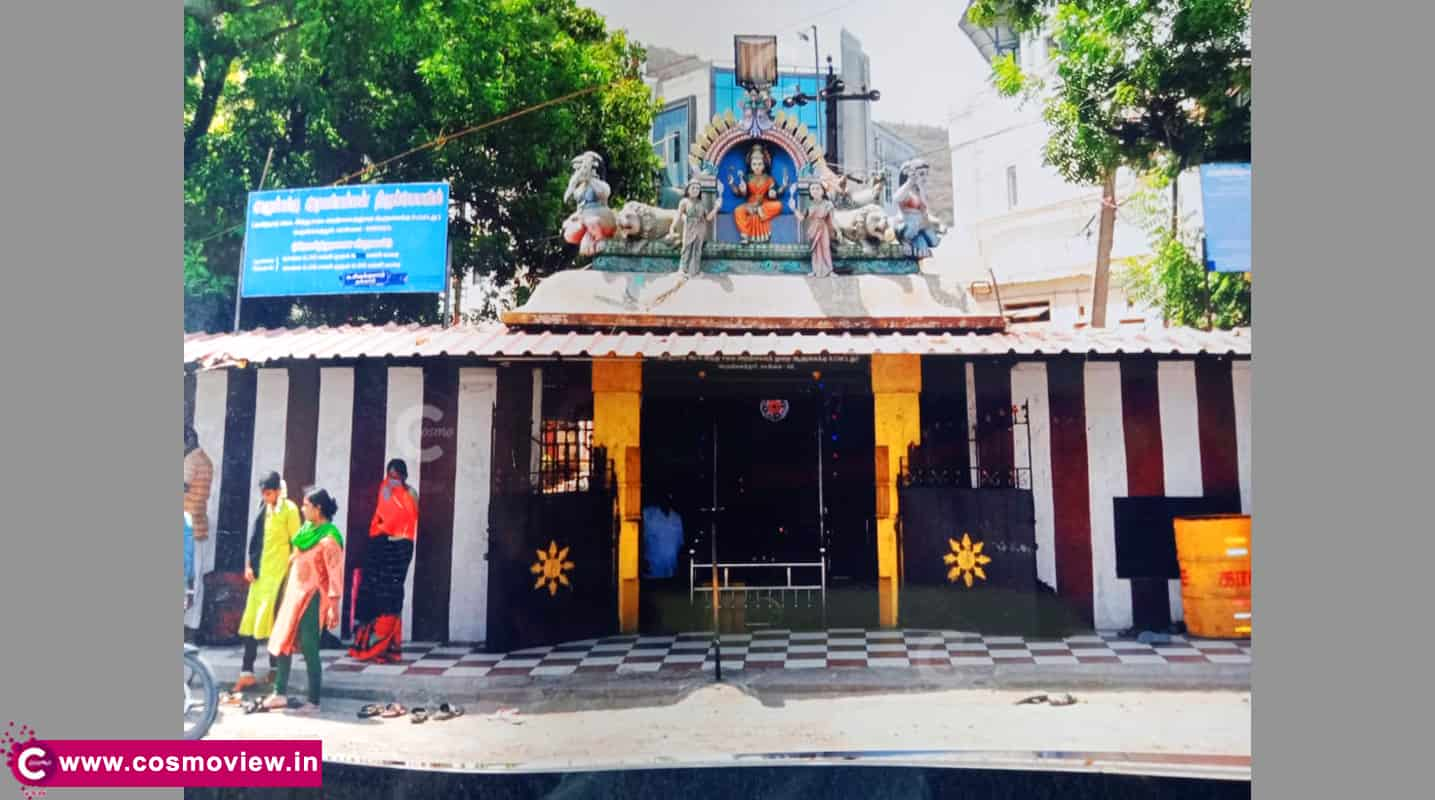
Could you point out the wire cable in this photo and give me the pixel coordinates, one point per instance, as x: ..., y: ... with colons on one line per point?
x: 443, y: 139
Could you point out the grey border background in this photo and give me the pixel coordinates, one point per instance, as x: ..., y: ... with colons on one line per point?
x: 88, y: 578
x: 90, y: 570
x: 1341, y: 435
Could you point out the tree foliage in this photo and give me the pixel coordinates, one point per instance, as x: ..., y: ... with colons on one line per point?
x: 1172, y: 277
x: 335, y: 86
x: 1156, y: 86
x: 1136, y: 83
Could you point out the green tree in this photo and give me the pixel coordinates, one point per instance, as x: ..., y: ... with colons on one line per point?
x: 1150, y: 85
x: 336, y: 86
x: 1172, y: 277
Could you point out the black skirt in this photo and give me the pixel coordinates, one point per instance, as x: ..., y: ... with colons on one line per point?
x: 381, y: 584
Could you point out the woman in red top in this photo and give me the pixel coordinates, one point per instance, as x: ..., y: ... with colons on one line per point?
x: 380, y: 603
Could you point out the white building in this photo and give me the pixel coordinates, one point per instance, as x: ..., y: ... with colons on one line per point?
x: 1018, y: 218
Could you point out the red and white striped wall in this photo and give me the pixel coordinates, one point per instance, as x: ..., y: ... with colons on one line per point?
x: 336, y: 427
x: 1118, y: 428
x: 1099, y: 429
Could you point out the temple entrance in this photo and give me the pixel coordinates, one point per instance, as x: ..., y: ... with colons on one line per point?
x: 770, y: 452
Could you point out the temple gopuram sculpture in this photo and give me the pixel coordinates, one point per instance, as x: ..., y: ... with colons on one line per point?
x: 759, y: 199
x: 821, y: 229
x: 916, y: 228
x: 695, y: 217
x: 592, y: 222
x: 754, y: 218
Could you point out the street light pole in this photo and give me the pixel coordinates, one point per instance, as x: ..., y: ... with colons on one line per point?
x: 834, y: 92
x: 816, y: 59
x: 831, y: 94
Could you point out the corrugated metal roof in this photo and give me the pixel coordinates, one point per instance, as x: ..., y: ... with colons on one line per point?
x: 498, y: 341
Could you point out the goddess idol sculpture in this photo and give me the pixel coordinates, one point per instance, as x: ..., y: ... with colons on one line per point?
x: 754, y: 217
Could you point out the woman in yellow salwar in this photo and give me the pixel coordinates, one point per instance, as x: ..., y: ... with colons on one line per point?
x: 760, y: 192
x: 268, y: 563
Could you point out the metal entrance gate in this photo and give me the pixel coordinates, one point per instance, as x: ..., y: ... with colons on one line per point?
x: 967, y: 547
x: 552, y: 558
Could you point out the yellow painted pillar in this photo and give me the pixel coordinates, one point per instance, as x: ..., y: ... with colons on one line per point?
x: 896, y: 389
x: 617, y: 417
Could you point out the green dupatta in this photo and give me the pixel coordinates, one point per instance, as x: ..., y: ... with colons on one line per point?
x: 311, y: 534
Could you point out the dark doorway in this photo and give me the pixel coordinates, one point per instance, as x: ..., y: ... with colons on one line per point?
x: 785, y: 443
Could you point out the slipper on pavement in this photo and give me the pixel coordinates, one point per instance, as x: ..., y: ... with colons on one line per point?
x: 446, y: 711
x: 370, y: 710
x: 419, y: 715
x: 393, y: 710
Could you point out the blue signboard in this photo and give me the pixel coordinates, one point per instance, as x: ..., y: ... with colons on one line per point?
x: 1226, y: 204
x: 369, y: 239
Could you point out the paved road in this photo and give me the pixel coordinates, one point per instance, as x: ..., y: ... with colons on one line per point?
x: 1198, y: 734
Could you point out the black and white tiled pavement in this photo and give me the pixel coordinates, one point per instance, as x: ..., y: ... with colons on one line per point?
x: 783, y: 650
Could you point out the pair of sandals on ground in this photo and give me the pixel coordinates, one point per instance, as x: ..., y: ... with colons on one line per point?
x: 418, y: 715
x: 273, y: 702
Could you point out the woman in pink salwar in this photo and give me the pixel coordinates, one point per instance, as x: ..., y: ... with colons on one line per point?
x: 311, y: 597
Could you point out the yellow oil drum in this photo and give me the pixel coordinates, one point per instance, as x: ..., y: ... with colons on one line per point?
x: 1215, y: 557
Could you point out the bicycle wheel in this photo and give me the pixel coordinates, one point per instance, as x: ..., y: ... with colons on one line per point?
x: 201, y: 697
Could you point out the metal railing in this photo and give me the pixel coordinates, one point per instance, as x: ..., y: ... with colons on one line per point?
x: 760, y: 595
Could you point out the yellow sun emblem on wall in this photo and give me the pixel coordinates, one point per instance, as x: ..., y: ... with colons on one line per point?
x: 966, y: 559
x: 551, y: 566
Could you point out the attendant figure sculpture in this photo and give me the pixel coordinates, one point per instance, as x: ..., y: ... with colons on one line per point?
x: 694, y: 216
x: 593, y: 221
x: 915, y: 227
x: 754, y: 218
x: 821, y: 229
x: 757, y: 112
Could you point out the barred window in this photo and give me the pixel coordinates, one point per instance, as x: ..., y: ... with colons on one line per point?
x: 567, y: 455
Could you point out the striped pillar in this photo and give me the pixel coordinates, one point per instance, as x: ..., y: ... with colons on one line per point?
x: 617, y: 418
x: 438, y: 463
x: 1070, y: 485
x: 334, y: 446
x: 403, y: 438
x: 1216, y: 418
x: 1180, y: 446
x: 271, y: 415
x: 896, y: 392
x: 1241, y: 387
x: 468, y: 583
x: 1107, y: 479
x: 366, y: 469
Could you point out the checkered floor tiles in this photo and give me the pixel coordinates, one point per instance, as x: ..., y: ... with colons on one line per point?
x: 838, y: 648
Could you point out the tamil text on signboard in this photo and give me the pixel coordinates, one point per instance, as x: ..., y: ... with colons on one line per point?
x: 1226, y: 200
x: 380, y: 238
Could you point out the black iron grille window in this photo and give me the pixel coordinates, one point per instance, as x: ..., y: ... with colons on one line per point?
x: 567, y: 455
